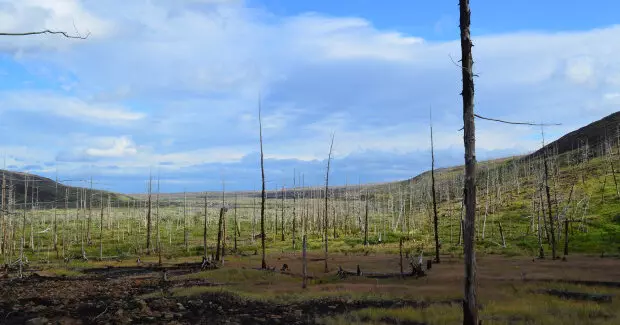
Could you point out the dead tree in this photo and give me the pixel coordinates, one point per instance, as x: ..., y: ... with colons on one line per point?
x: 305, y: 262
x: 294, y: 226
x: 148, y: 217
x: 470, y: 307
x: 204, y: 230
x: 101, y: 227
x: 236, y: 226
x: 185, y: 231
x: 282, y: 216
x: 325, y: 218
x: 219, y: 234
x: 262, y: 203
x: 23, y: 239
x: 159, y: 248
x: 435, y: 221
x: 366, y: 221
x: 548, y: 193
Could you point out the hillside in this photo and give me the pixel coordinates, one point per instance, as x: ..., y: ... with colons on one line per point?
x: 592, y: 135
x: 46, y: 191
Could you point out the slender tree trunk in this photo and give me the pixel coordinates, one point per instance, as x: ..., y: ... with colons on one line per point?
x: 185, y: 230
x: 3, y: 212
x: 400, y: 246
x: 325, y: 218
x: 204, y: 230
x: 470, y: 306
x: 219, y: 234
x: 101, y: 228
x: 282, y: 217
x: 236, y: 225
x: 148, y: 218
x: 55, y: 225
x: 90, y: 213
x: 565, y: 238
x: 294, y: 226
x: 262, y: 203
x: 159, y: 247
x: 366, y: 222
x: 435, y: 219
x: 21, y: 251
x: 551, y: 223
x: 305, y: 262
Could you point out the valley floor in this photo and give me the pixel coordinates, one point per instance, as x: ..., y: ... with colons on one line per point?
x: 512, y: 290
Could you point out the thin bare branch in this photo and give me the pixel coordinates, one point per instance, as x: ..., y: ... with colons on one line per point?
x: 47, y: 31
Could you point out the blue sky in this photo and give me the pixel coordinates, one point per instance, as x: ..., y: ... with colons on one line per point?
x: 171, y: 87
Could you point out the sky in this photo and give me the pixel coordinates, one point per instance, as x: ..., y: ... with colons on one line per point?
x: 171, y: 88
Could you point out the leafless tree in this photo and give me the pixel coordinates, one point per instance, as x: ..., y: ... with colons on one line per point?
x: 325, y: 218
x: 435, y: 221
x: 262, y: 203
x: 470, y: 307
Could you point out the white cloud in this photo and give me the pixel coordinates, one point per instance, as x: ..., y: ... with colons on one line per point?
x: 68, y: 107
x: 117, y: 147
x: 183, y: 78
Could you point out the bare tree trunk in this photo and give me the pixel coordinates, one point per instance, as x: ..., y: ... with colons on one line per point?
x: 55, y: 225
x: 325, y: 218
x: 101, y: 228
x: 219, y: 234
x: 305, y: 261
x: 565, y: 238
x: 470, y: 306
x: 400, y: 246
x: 4, y: 212
x: 435, y: 220
x: 21, y: 251
x: 148, y: 218
x: 90, y: 213
x: 236, y: 225
x: 159, y: 248
x: 486, y: 207
x: 282, y: 217
x: 204, y: 230
x: 366, y: 222
x: 294, y: 226
x: 551, y: 223
x: 185, y: 231
x: 262, y: 205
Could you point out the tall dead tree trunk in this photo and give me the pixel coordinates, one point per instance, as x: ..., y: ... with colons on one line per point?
x: 262, y: 203
x: 237, y: 226
x: 304, y: 261
x: 325, y: 218
x: 294, y: 226
x: 23, y: 239
x: 282, y: 217
x: 101, y: 228
x: 435, y: 219
x: 90, y: 213
x: 159, y: 248
x: 148, y: 218
x: 219, y: 234
x: 366, y: 221
x: 470, y: 307
x: 204, y: 230
x: 551, y: 223
x: 185, y: 231
x: 55, y: 225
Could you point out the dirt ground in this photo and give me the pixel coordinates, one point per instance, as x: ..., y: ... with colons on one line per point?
x: 118, y: 293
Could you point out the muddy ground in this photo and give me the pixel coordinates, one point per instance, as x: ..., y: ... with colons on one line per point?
x: 138, y: 294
